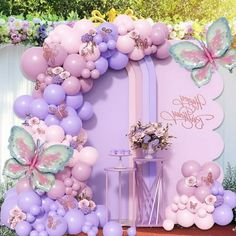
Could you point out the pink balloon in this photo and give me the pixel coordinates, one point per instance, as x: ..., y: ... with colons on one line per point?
x: 23, y: 185
x: 88, y: 54
x: 125, y: 44
x: 48, y: 80
x: 190, y: 168
x: 33, y: 63
x: 182, y: 188
x: 54, y: 133
x: 185, y: 218
x: 124, y: 20
x: 62, y: 30
x: 170, y: 215
x: 71, y: 86
x: 90, y: 65
x: 83, y: 26
x: 81, y: 171
x: 122, y: 30
x: 213, y: 168
x: 204, y: 223
x: 55, y: 54
x: 95, y: 74
x: 137, y: 54
x: 148, y: 51
x: 88, y: 155
x: 161, y: 27
x: 143, y: 27
x: 62, y: 175
x: 202, y: 192
x: 75, y: 158
x: 74, y: 64
x: 86, y: 73
x: 57, y: 191
x: 71, y: 42
x: 163, y: 50
x: 37, y: 93
x: 201, y: 212
x: 158, y: 37
x: 86, y: 85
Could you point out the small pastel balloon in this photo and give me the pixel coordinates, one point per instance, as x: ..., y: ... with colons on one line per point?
x: 88, y: 155
x: 171, y: 215
x: 174, y: 207
x: 190, y: 168
x: 37, y: 93
x: 181, y: 206
x: 101, y: 65
x: 86, y: 85
x: 95, y: 74
x: 158, y: 37
x: 132, y: 231
x: 210, y: 208
x: 112, y: 228
x: 86, y: 111
x: 75, y: 220
x: 46, y: 203
x: 39, y: 108
x: 71, y: 125
x: 62, y: 29
x: 61, y: 225
x: 68, y: 182
x: 154, y: 49
x: 161, y: 27
x: 27, y: 199
x: 74, y: 64
x: 75, y: 158
x: 97, y: 39
x: 65, y: 173
x: 21, y: 106
x: 48, y: 80
x: 71, y: 42
x: 35, y: 210
x: 90, y: 65
x: 57, y: 190
x: 71, y: 86
x: 75, y: 101
x: 213, y: 168
x: 33, y: 63
x: 23, y: 228
x: 137, y: 54
x: 83, y: 26
x: 148, y: 51
x: 108, y: 53
x: 201, y: 212
x: 125, y: 44
x: 183, y: 189
x: 202, y: 192
x: 122, y: 30
x: 163, y: 50
x: 176, y: 199
x: 30, y: 218
x: 204, y: 223
x: 103, y: 47
x: 168, y: 225
x: 111, y: 44
x: 223, y: 215
x: 92, y: 218
x: 54, y: 133
x: 51, y: 120
x: 91, y: 55
x: 86, y: 73
x: 54, y: 94
x: 100, y: 211
x: 230, y: 198
x: 118, y: 61
x: 23, y: 185
x: 124, y: 20
x: 185, y: 218
x: 69, y: 191
x: 184, y: 199
x: 81, y: 171
x: 143, y: 27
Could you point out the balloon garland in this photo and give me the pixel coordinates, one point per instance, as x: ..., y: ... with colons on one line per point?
x: 202, y: 200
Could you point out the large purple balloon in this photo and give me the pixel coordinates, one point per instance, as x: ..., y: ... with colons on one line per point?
x: 93, y: 219
x: 223, y: 215
x: 101, y: 65
x: 182, y: 188
x: 28, y: 199
x: 46, y: 203
x: 71, y: 111
x: 71, y: 125
x: 75, y: 220
x: 61, y: 227
x: 21, y: 106
x: 86, y: 111
x: 54, y: 94
x: 112, y: 228
x: 51, y: 120
x: 118, y: 61
x: 23, y: 228
x: 230, y: 198
x: 39, y: 108
x: 108, y: 26
x: 33, y: 63
x: 11, y: 192
x: 75, y: 101
x: 101, y: 214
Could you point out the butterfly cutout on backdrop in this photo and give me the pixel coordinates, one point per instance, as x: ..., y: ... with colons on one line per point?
x: 203, y: 61
x: 33, y: 161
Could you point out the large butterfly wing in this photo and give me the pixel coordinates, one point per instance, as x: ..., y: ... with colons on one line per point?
x: 202, y: 76
x: 13, y: 169
x: 189, y: 55
x: 54, y: 158
x: 228, y: 60
x: 42, y: 181
x: 219, y: 38
x: 21, y: 145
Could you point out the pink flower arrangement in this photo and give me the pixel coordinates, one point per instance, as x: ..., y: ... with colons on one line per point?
x: 16, y: 216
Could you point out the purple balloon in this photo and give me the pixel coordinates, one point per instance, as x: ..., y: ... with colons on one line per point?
x: 112, y: 228
x: 75, y: 220
x: 71, y: 111
x: 51, y: 120
x: 86, y: 111
x: 61, y: 226
x: 109, y: 26
x: 30, y: 218
x: 219, y: 201
x: 108, y: 53
x: 28, y: 199
x: 230, y: 198
x: 101, y: 65
x: 101, y: 214
x: 8, y: 204
x: 131, y: 231
x: 223, y: 215
x: 21, y: 106
x: 118, y: 61
x: 46, y: 203
x: 111, y: 44
x: 75, y: 101
x: 54, y: 94
x: 23, y: 228
x: 39, y: 108
x: 97, y: 38
x: 11, y: 192
x: 41, y: 219
x: 102, y: 47
x: 71, y: 125
x: 92, y: 218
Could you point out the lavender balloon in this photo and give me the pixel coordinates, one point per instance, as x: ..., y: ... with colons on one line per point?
x: 86, y: 111
x: 51, y: 120
x: 118, y: 61
x: 75, y: 220
x: 23, y: 228
x: 56, y: 226
x: 71, y: 125
x: 39, y: 108
x: 223, y: 215
x: 21, y: 106
x: 109, y: 30
x: 92, y: 218
x: 230, y: 198
x: 101, y: 214
x: 75, y: 101
x: 71, y: 111
x: 112, y: 228
x: 101, y: 65
x: 54, y: 94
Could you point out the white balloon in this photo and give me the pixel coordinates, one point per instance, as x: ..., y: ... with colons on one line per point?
x: 88, y: 155
x: 204, y: 223
x: 185, y: 218
x: 170, y: 215
x: 168, y: 225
